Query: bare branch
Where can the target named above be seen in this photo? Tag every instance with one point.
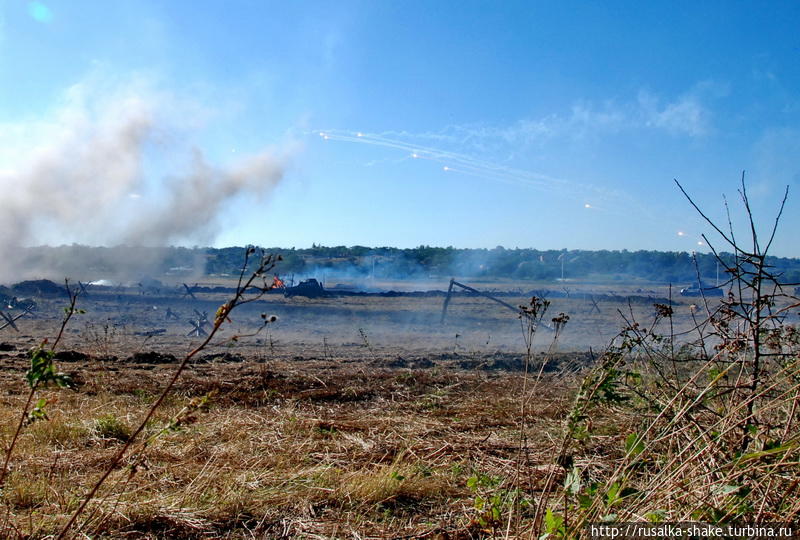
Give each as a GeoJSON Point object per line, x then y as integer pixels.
{"type": "Point", "coordinates": [750, 219]}
{"type": "Point", "coordinates": [705, 217]}
{"type": "Point", "coordinates": [777, 220]}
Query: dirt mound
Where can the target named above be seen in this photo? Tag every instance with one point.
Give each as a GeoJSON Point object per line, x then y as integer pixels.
{"type": "Point", "coordinates": [221, 357]}
{"type": "Point", "coordinates": [151, 357]}
{"type": "Point", "coordinates": [423, 363]}
{"type": "Point", "coordinates": [398, 362]}
{"type": "Point", "coordinates": [38, 287]}
{"type": "Point", "coordinates": [498, 362]}
{"type": "Point", "coordinates": [71, 356]}
{"type": "Point", "coordinates": [413, 363]}
{"type": "Point", "coordinates": [515, 362]}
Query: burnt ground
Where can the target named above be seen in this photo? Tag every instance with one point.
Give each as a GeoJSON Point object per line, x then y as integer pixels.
{"type": "Point", "coordinates": [121, 321]}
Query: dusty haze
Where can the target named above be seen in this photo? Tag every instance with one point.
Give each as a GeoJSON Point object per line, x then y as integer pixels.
{"type": "Point", "coordinates": [104, 174]}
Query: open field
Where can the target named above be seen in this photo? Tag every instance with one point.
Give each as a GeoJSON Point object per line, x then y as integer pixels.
{"type": "Point", "coordinates": [401, 324]}
{"type": "Point", "coordinates": [349, 417]}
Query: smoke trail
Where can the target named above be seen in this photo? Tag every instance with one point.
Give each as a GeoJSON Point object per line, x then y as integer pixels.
{"type": "Point", "coordinates": [609, 201]}
{"type": "Point", "coordinates": [460, 162]}
{"type": "Point", "coordinates": [85, 179]}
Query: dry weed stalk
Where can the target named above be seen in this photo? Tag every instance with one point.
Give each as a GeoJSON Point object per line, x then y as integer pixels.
{"type": "Point", "coordinates": [42, 372]}
{"type": "Point", "coordinates": [710, 439]}
{"type": "Point", "coordinates": [246, 291]}
{"type": "Point", "coordinates": [531, 318]}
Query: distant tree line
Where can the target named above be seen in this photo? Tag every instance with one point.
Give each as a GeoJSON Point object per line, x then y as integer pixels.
{"type": "Point", "coordinates": [533, 264]}
{"type": "Point", "coordinates": [388, 262]}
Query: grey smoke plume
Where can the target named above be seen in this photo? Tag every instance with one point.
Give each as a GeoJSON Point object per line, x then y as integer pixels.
{"type": "Point", "coordinates": [89, 178]}
{"type": "Point", "coordinates": [192, 201]}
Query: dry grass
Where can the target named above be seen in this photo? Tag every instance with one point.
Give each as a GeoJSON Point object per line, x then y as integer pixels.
{"type": "Point", "coordinates": [322, 448]}
{"type": "Point", "coordinates": [279, 452]}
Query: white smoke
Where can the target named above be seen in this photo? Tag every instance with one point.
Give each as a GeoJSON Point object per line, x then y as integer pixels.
{"type": "Point", "coordinates": [86, 175]}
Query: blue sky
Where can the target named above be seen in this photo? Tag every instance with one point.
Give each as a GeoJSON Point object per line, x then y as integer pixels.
{"type": "Point", "coordinates": [534, 124]}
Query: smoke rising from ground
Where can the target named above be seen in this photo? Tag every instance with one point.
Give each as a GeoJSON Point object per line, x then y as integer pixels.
{"type": "Point", "coordinates": [112, 174]}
